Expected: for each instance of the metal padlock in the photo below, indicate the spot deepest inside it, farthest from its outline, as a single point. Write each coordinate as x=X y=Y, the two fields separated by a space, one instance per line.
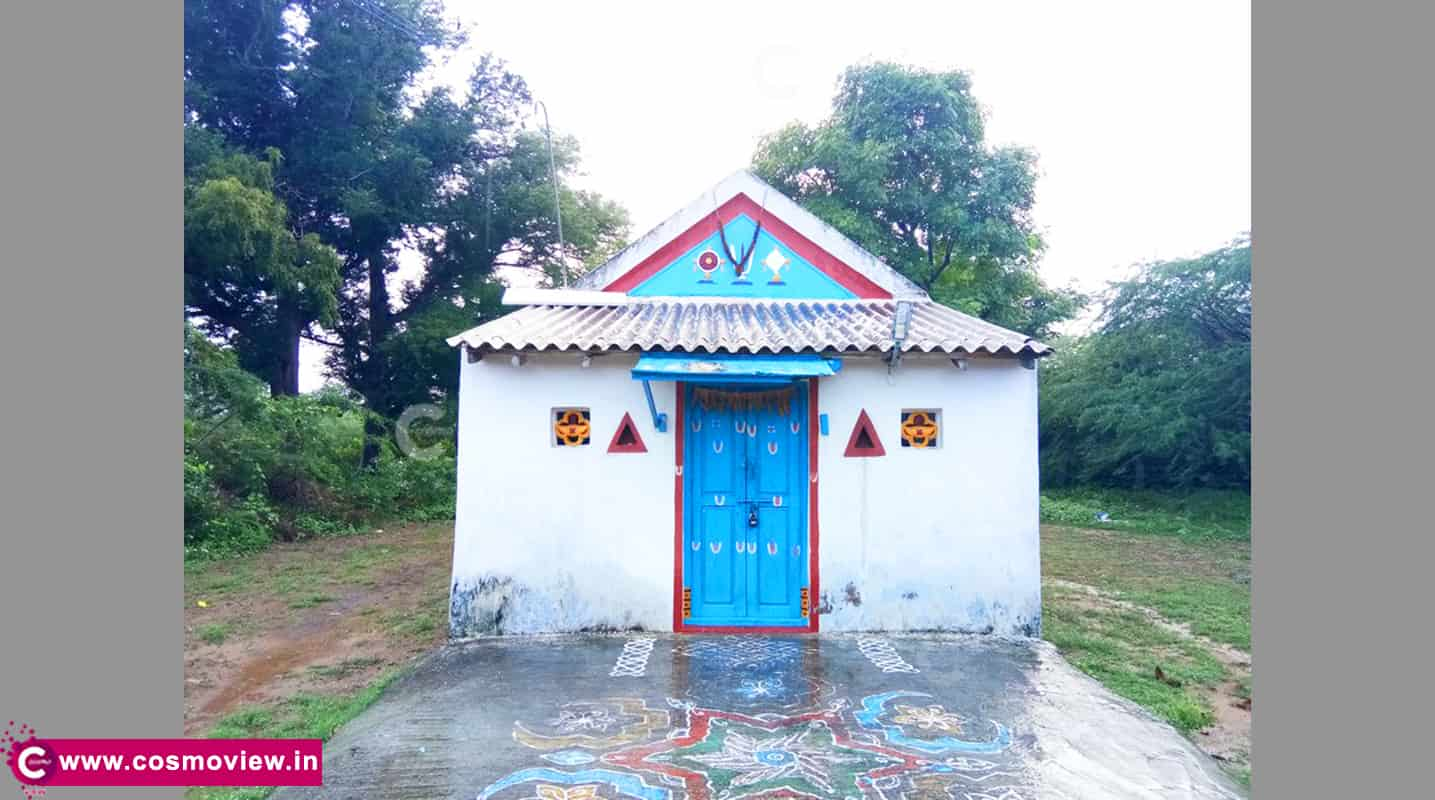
x=752 y=518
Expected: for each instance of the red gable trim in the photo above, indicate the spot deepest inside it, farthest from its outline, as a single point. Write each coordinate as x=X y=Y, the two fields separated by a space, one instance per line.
x=849 y=278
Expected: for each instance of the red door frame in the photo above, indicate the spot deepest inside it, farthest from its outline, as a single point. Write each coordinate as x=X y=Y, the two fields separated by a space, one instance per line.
x=814 y=588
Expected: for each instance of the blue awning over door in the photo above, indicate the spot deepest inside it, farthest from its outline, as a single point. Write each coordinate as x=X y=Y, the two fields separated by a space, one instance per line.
x=733 y=368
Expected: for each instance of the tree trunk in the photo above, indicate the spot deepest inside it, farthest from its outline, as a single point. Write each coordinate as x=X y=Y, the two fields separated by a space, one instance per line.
x=373 y=441
x=284 y=379
x=380 y=324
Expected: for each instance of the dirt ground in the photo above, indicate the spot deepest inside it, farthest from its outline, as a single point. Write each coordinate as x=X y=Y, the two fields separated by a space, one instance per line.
x=323 y=616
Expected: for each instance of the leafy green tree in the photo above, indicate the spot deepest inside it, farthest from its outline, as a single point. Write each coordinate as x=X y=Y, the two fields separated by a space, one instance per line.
x=247 y=273
x=1160 y=395
x=901 y=166
x=487 y=204
x=374 y=167
x=505 y=219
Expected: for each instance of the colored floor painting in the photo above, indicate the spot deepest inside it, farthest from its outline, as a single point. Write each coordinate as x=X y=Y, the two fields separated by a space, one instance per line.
x=829 y=717
x=755 y=718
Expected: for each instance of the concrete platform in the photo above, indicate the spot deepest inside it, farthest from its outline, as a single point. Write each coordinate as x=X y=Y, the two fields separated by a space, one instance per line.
x=662 y=717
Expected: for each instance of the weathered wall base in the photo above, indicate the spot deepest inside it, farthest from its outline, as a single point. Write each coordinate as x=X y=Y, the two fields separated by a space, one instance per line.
x=493 y=605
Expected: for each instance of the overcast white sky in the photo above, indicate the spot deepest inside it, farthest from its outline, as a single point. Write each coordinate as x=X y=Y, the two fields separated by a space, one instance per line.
x=1139 y=111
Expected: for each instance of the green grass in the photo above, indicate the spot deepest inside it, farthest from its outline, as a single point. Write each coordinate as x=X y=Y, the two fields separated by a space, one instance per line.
x=303 y=716
x=1203 y=583
x=345 y=668
x=217 y=579
x=1217 y=611
x=361 y=563
x=420 y=624
x=1198 y=515
x=214 y=633
x=311 y=600
x=1123 y=650
x=297 y=575
x=1188 y=557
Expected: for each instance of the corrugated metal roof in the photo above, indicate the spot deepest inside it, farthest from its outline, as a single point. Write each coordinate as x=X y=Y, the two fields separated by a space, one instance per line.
x=744 y=326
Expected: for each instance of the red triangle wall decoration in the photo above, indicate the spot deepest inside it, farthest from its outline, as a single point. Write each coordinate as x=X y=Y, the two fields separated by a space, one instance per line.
x=864 y=442
x=627 y=439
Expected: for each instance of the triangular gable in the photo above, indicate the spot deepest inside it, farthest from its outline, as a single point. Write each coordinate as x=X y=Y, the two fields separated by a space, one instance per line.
x=744 y=261
x=823 y=264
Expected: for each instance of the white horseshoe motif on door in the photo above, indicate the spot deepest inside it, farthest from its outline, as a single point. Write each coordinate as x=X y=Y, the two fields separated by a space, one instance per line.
x=772 y=548
x=751 y=429
x=720 y=499
x=715 y=547
x=717 y=445
x=772 y=448
x=777 y=501
x=697 y=425
x=697 y=545
x=796 y=550
x=738 y=546
x=796 y=427
x=752 y=547
x=737 y=426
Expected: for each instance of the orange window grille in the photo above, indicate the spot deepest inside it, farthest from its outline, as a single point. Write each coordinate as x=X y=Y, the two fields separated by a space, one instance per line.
x=921 y=428
x=572 y=427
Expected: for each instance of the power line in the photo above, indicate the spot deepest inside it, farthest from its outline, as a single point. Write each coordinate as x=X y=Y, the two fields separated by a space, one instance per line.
x=557 y=204
x=386 y=17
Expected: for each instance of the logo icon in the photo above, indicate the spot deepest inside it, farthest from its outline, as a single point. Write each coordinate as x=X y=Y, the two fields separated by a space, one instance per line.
x=31 y=761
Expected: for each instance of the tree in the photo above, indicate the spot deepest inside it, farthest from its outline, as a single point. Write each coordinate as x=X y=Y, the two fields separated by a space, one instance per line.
x=320 y=84
x=1160 y=395
x=246 y=272
x=902 y=167
x=375 y=167
x=504 y=218
x=498 y=214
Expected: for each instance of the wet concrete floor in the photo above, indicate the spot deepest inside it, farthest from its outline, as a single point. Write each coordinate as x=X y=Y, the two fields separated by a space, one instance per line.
x=663 y=717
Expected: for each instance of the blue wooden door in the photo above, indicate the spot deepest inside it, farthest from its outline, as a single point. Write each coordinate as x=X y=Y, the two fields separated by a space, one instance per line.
x=745 y=562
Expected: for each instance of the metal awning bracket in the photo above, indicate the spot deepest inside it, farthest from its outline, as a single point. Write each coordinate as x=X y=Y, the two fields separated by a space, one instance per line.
x=660 y=421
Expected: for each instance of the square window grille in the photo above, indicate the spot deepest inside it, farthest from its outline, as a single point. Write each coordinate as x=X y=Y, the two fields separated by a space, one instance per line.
x=572 y=427
x=921 y=427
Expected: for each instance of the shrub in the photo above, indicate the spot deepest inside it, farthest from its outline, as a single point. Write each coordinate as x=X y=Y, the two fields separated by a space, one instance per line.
x=417 y=489
x=234 y=529
x=258 y=468
x=1160 y=395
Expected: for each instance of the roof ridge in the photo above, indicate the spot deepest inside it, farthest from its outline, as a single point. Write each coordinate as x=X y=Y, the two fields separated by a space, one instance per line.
x=720 y=324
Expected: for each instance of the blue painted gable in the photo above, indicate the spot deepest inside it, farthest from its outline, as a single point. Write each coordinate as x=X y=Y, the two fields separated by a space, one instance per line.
x=772 y=270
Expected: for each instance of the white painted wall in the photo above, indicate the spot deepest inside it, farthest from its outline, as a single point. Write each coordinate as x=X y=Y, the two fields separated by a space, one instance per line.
x=563 y=539
x=583 y=538
x=943 y=538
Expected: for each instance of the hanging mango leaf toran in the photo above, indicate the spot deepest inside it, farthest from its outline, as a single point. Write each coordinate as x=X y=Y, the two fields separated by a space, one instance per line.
x=778 y=400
